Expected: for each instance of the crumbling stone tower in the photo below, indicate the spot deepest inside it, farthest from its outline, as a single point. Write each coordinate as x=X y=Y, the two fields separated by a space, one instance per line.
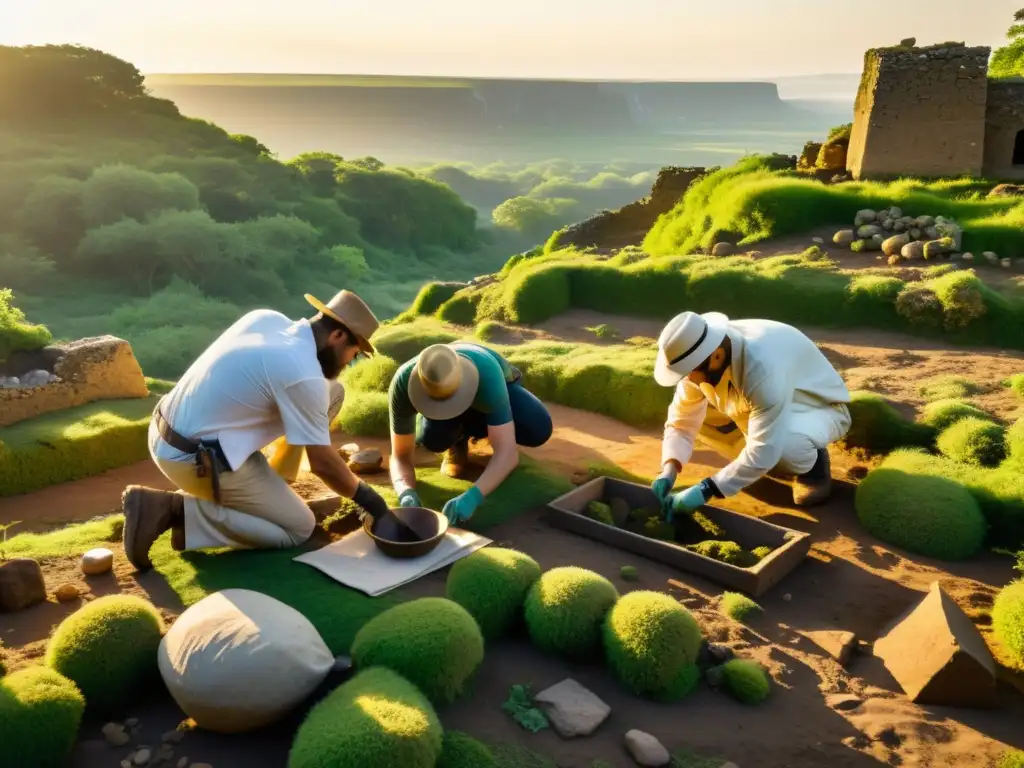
x=920 y=112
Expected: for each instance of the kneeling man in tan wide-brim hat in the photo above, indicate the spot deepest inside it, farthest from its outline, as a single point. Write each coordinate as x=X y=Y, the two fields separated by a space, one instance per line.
x=266 y=378
x=461 y=391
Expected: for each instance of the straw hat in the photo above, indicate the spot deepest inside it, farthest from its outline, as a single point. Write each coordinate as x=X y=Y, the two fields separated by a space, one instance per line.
x=686 y=342
x=352 y=312
x=443 y=384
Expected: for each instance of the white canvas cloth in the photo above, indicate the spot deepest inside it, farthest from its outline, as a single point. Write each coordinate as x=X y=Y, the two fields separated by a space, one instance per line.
x=356 y=562
x=238 y=660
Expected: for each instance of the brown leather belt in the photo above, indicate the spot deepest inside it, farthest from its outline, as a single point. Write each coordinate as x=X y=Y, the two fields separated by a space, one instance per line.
x=209 y=457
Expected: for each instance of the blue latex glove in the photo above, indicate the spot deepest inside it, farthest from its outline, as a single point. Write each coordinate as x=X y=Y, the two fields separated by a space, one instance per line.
x=662 y=485
x=685 y=502
x=409 y=498
x=461 y=508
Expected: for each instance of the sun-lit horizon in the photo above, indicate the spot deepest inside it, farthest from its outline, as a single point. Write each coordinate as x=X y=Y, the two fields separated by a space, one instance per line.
x=550 y=39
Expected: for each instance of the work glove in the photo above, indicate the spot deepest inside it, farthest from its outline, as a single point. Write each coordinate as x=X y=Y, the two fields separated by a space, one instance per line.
x=367 y=498
x=461 y=508
x=685 y=502
x=409 y=498
x=662 y=485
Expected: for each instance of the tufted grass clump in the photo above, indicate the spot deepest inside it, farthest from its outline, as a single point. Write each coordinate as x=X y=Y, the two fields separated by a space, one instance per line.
x=565 y=609
x=978 y=442
x=376 y=718
x=947 y=388
x=928 y=515
x=651 y=644
x=108 y=648
x=491 y=584
x=1008 y=620
x=40 y=712
x=1016 y=384
x=942 y=414
x=433 y=642
x=746 y=681
x=877 y=427
x=726 y=552
x=371 y=375
x=460 y=750
x=739 y=607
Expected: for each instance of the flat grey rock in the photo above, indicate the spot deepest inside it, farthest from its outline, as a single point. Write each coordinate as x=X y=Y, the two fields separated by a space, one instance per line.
x=572 y=709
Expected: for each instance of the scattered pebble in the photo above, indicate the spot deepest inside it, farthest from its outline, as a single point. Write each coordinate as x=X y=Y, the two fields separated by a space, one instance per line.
x=647 y=750
x=131 y=722
x=97 y=561
x=183 y=762
x=126 y=764
x=142 y=756
x=572 y=709
x=201 y=765
x=818 y=240
x=66 y=593
x=787 y=598
x=115 y=735
x=172 y=737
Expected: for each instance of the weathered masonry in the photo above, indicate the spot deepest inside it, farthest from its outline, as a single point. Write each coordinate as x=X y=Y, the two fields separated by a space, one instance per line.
x=934 y=112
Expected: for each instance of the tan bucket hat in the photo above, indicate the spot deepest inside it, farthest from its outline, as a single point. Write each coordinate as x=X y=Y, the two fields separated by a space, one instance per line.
x=352 y=312
x=443 y=384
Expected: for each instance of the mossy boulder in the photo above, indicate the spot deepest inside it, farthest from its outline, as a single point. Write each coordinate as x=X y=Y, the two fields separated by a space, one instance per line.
x=651 y=643
x=433 y=642
x=928 y=515
x=460 y=750
x=40 y=712
x=1008 y=620
x=376 y=718
x=565 y=608
x=492 y=584
x=108 y=648
x=746 y=681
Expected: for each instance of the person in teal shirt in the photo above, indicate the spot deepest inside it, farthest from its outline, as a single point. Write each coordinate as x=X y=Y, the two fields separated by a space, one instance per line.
x=449 y=394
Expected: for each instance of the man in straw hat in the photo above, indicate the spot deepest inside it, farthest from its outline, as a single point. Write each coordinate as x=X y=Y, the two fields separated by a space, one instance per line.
x=758 y=392
x=461 y=391
x=266 y=377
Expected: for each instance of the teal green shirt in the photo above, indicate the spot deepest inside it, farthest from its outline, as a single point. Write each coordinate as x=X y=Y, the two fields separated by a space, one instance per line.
x=491 y=396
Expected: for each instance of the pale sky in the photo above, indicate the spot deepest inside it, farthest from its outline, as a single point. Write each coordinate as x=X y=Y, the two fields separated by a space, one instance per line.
x=651 y=39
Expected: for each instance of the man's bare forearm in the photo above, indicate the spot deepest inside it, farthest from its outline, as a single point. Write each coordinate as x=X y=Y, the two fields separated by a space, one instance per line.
x=402 y=466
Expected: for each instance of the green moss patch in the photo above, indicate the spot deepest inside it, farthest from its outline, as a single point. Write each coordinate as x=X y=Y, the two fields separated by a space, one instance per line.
x=492 y=584
x=746 y=681
x=979 y=442
x=1008 y=620
x=376 y=718
x=371 y=375
x=739 y=607
x=942 y=414
x=40 y=712
x=108 y=648
x=948 y=388
x=364 y=414
x=877 y=427
x=1012 y=758
x=651 y=643
x=725 y=552
x=565 y=609
x=460 y=750
x=1016 y=384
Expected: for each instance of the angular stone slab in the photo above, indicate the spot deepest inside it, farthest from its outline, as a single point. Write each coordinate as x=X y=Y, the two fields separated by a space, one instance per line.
x=938 y=656
x=838 y=644
x=572 y=709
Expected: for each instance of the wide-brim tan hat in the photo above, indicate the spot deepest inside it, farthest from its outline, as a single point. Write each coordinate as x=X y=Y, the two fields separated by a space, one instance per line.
x=352 y=312
x=443 y=383
x=686 y=342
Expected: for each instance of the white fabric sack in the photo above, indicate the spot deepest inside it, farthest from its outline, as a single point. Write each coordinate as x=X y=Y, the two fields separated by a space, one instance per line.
x=238 y=660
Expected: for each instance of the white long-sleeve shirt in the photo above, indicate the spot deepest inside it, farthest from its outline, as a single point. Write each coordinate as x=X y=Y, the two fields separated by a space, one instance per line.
x=773 y=365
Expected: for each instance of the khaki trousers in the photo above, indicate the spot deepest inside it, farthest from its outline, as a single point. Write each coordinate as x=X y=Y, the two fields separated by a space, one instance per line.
x=258 y=509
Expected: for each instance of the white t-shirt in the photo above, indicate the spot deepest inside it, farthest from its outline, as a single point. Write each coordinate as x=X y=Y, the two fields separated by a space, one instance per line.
x=261 y=379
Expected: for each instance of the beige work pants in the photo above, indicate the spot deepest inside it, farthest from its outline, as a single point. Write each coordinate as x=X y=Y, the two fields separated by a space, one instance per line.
x=258 y=509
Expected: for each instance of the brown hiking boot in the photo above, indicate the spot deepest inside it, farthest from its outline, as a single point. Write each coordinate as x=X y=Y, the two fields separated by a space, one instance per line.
x=456 y=459
x=815 y=486
x=148 y=514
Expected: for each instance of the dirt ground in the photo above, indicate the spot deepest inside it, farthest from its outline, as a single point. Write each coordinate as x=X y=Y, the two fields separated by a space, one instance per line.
x=850 y=581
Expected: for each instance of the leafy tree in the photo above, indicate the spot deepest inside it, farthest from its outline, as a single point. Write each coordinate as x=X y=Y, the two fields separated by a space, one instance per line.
x=1008 y=61
x=22 y=267
x=533 y=217
x=369 y=163
x=53 y=215
x=250 y=145
x=114 y=192
x=319 y=169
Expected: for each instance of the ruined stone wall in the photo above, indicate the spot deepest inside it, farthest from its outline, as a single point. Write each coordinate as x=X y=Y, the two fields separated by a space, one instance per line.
x=920 y=112
x=84 y=371
x=1004 y=118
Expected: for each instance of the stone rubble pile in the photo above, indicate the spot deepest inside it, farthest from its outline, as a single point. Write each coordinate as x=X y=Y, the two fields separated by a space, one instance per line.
x=905 y=238
x=30 y=380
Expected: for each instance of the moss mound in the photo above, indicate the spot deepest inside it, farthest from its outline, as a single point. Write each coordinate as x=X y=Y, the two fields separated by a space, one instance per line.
x=108 y=648
x=40 y=711
x=376 y=718
x=565 y=608
x=928 y=515
x=1008 y=620
x=371 y=375
x=746 y=681
x=433 y=642
x=1016 y=383
x=877 y=427
x=492 y=584
x=651 y=643
x=725 y=551
x=739 y=607
x=460 y=750
x=947 y=387
x=978 y=442
x=943 y=414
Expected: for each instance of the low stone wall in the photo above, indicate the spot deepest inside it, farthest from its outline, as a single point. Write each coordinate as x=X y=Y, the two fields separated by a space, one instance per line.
x=1004 y=119
x=84 y=371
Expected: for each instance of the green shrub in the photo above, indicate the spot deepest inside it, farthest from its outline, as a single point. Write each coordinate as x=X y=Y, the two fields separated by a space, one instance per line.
x=1008 y=620
x=460 y=750
x=942 y=414
x=565 y=608
x=492 y=584
x=877 y=427
x=651 y=643
x=1016 y=383
x=739 y=607
x=724 y=551
x=376 y=718
x=979 y=442
x=371 y=375
x=746 y=681
x=928 y=515
x=364 y=414
x=108 y=648
x=40 y=712
x=432 y=642
x=947 y=388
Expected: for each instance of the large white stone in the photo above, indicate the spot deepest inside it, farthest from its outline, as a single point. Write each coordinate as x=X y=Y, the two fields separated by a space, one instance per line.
x=97 y=561
x=572 y=709
x=647 y=750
